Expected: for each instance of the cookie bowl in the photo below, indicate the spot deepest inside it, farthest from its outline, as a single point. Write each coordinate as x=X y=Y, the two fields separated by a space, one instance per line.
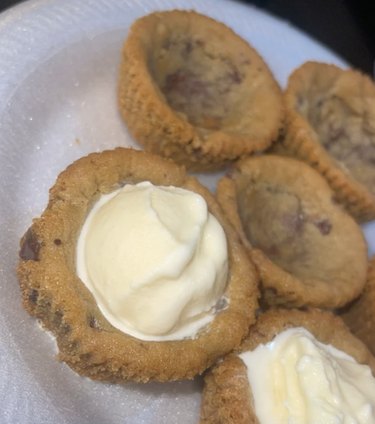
x=308 y=250
x=308 y=351
x=191 y=89
x=330 y=124
x=80 y=315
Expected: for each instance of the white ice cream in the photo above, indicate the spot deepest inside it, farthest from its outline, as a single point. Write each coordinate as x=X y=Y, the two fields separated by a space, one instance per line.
x=297 y=380
x=155 y=260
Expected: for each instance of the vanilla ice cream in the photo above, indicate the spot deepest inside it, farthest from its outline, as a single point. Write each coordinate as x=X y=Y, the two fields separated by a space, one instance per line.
x=155 y=260
x=297 y=380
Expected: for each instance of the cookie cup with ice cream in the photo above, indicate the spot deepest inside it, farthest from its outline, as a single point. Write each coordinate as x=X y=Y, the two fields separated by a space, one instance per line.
x=104 y=327
x=305 y=366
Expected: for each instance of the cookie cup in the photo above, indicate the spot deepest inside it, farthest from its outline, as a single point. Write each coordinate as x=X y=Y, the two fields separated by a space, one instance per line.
x=330 y=124
x=54 y=294
x=227 y=395
x=193 y=90
x=307 y=249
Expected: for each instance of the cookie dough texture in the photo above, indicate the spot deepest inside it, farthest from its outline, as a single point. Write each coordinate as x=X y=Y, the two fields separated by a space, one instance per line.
x=330 y=123
x=53 y=293
x=307 y=249
x=360 y=316
x=192 y=90
x=227 y=397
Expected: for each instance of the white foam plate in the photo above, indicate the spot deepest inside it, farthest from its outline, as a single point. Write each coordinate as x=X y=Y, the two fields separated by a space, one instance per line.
x=58 y=70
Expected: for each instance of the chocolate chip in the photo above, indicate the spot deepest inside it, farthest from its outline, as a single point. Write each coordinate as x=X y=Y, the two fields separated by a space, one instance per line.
x=234 y=76
x=93 y=323
x=30 y=247
x=58 y=242
x=221 y=304
x=324 y=226
x=186 y=83
x=33 y=296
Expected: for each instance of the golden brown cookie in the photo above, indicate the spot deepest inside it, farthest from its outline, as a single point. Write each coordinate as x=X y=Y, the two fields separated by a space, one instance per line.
x=360 y=316
x=308 y=250
x=330 y=123
x=227 y=396
x=54 y=294
x=192 y=90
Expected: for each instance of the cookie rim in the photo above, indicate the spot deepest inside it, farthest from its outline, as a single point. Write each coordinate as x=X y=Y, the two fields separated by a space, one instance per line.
x=359 y=316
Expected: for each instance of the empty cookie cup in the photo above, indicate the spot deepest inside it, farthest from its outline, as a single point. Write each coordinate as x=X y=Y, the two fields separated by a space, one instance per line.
x=330 y=124
x=193 y=90
x=307 y=249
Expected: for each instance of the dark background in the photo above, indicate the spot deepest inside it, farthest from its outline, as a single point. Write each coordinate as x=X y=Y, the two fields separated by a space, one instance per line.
x=346 y=26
